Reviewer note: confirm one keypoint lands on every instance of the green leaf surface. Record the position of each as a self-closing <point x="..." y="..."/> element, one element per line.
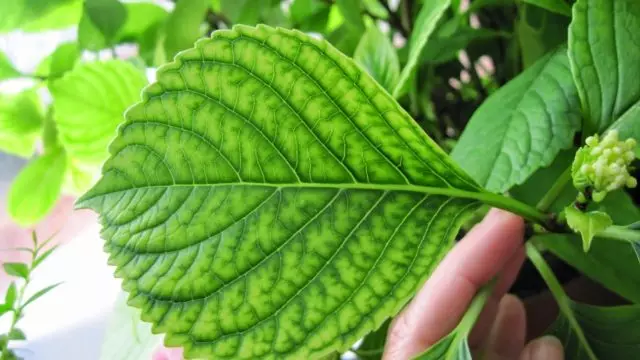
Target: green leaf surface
<point x="425" y="25"/>
<point x="184" y="26"/>
<point x="539" y="32"/>
<point x="127" y="337"/>
<point x="144" y="25"/>
<point x="16" y="269"/>
<point x="11" y="295"/>
<point x="378" y="56"/>
<point x="7" y="71"/>
<point x="352" y="12"/>
<point x="611" y="332"/>
<point x="20" y="122"/>
<point x="108" y="16"/>
<point x="310" y="15"/>
<point x="603" y="60"/>
<point x="627" y="125"/>
<point x="36" y="189"/>
<point x="63" y="59"/>
<point x="587" y="224"/>
<point x="89" y="104"/>
<point x="613" y="264"/>
<point x="269" y="198"/>
<point x="521" y="127"/>
<point x="556" y="6"/>
<point x="38" y="15"/>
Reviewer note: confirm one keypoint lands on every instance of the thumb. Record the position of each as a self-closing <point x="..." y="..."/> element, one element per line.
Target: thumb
<point x="544" y="348"/>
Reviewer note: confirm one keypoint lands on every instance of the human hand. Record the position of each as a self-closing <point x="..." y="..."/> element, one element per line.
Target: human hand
<point x="493" y="248"/>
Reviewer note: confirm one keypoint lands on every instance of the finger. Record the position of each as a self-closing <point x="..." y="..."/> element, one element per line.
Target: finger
<point x="508" y="275"/>
<point x="544" y="348"/>
<point x="439" y="305"/>
<point x="507" y="336"/>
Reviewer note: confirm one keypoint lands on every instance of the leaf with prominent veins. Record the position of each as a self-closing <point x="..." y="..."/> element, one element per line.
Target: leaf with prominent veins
<point x="267" y="199"/>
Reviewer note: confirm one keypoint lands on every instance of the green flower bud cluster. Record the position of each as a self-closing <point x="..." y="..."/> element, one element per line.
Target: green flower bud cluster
<point x="603" y="166"/>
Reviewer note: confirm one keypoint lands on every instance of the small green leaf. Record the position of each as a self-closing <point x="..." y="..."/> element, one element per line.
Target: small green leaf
<point x="587" y="224"/>
<point x="107" y="16"/>
<point x="39" y="294"/>
<point x="11" y="295"/>
<point x="184" y="26"/>
<point x="127" y="337"/>
<point x="144" y="26"/>
<point x="37" y="187"/>
<point x="556" y="6"/>
<point x="7" y="71"/>
<point x="5" y="308"/>
<point x="38" y="15"/>
<point x="603" y="62"/>
<point x="539" y="32"/>
<point x="379" y="58"/>
<point x="352" y="12"/>
<point x="428" y="17"/>
<point x="521" y="127"/>
<point x="20" y="122"/>
<point x="270" y="131"/>
<point x="16" y="269"/>
<point x="310" y="15"/>
<point x="89" y="103"/>
<point x="63" y="59"/>
<point x="611" y="332"/>
<point x="42" y="257"/>
<point x="17" y="334"/>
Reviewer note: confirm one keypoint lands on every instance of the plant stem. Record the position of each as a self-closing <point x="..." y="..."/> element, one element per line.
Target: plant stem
<point x="620" y="233"/>
<point x="473" y="312"/>
<point x="564" y="303"/>
<point x="556" y="189"/>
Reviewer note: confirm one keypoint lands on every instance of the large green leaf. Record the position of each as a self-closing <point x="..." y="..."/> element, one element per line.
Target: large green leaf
<point x="603" y="52"/>
<point x="184" y="25"/>
<point x="128" y="338"/>
<point x="613" y="264"/>
<point x="611" y="332"/>
<point x="269" y="199"/>
<point x="38" y="15"/>
<point x="428" y="17"/>
<point x="89" y="103"/>
<point x="523" y="126"/>
<point x="376" y="54"/>
<point x="36" y="189"/>
<point x="20" y="122"/>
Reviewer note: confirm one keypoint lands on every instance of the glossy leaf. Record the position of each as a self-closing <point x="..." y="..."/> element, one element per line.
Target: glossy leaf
<point x="556" y="6"/>
<point x="261" y="188"/>
<point x="89" y="104"/>
<point x="127" y="337"/>
<point x="522" y="126"/>
<point x="378" y="56"/>
<point x="7" y="71"/>
<point x="611" y="332"/>
<point x="184" y="26"/>
<point x="587" y="224"/>
<point x="20" y="122"/>
<point x="426" y="22"/>
<point x="612" y="264"/>
<point x="603" y="61"/>
<point x="36" y="189"/>
<point x="63" y="59"/>
<point x="16" y="269"/>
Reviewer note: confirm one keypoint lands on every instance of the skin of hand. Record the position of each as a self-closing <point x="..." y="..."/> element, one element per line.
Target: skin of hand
<point x="493" y="248"/>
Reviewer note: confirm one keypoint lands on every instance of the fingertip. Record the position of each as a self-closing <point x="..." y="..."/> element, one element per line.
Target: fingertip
<point x="544" y="348"/>
<point x="506" y="340"/>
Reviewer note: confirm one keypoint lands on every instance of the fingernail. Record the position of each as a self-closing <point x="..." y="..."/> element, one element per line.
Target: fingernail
<point x="544" y="348"/>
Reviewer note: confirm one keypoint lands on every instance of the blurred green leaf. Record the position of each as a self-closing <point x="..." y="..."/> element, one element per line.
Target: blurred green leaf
<point x="38" y="15"/>
<point x="376" y="9"/>
<point x="344" y="39"/>
<point x="5" y="308"/>
<point x="242" y="11"/>
<point x="17" y="334"/>
<point x="101" y="21"/>
<point x="310" y="15"/>
<point x="37" y="187"/>
<point x="378" y="57"/>
<point x="20" y="122"/>
<point x="481" y="4"/>
<point x="610" y="332"/>
<point x="143" y="26"/>
<point x="39" y="294"/>
<point x="42" y="257"/>
<point x="16" y="269"/>
<point x="89" y="103"/>
<point x="539" y="32"/>
<point x="63" y="59"/>
<point x="7" y="71"/>
<point x="372" y="345"/>
<point x="352" y="12"/>
<point x="184" y="25"/>
<point x="11" y="295"/>
<point x="428" y="17"/>
<point x="556" y="6"/>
